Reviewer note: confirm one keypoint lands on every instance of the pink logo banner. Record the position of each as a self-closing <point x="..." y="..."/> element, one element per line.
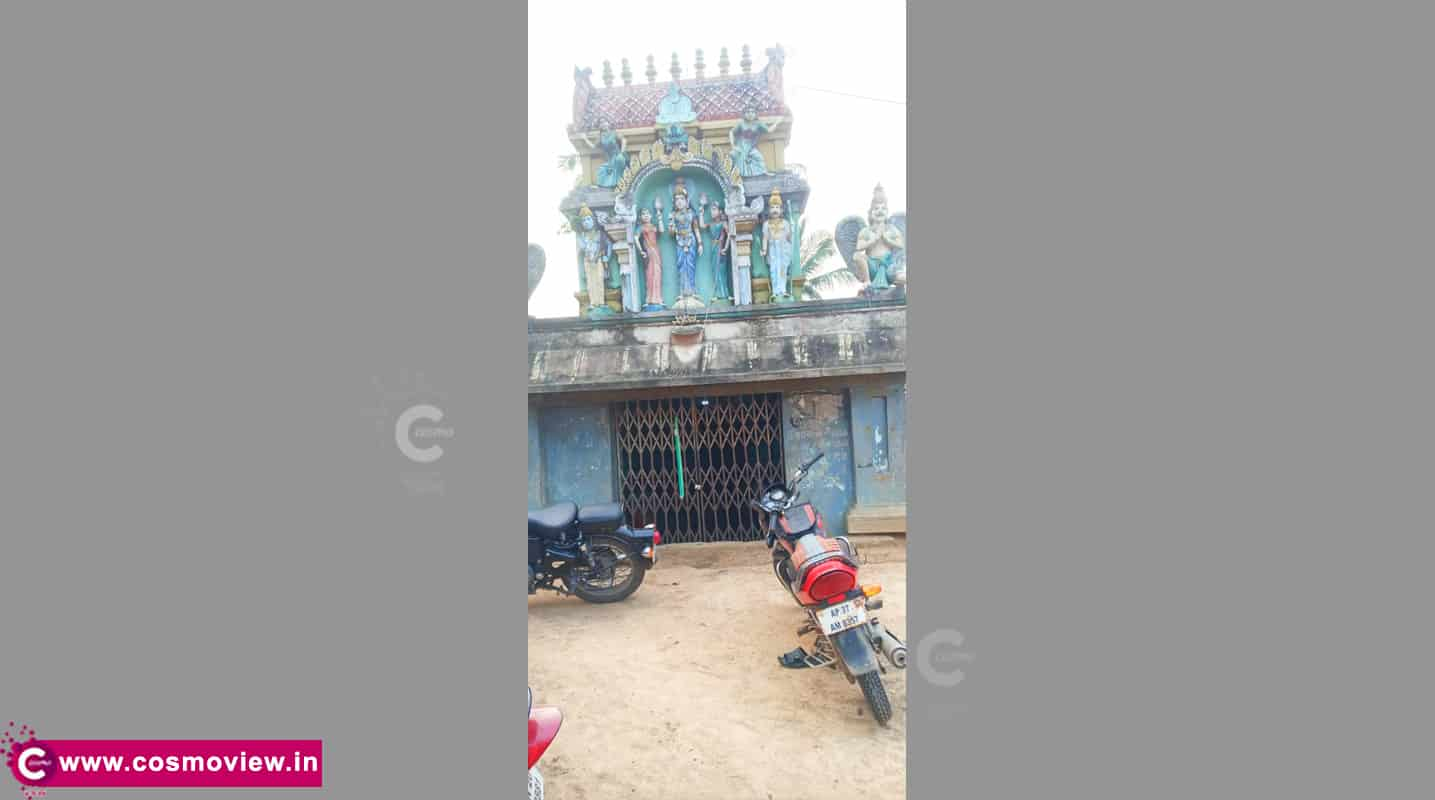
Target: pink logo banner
<point x="167" y="763"/>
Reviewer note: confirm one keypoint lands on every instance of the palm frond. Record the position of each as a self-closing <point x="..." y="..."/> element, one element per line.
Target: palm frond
<point x="817" y="247"/>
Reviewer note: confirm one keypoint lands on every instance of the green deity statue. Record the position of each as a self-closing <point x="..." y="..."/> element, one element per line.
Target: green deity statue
<point x="744" y="137"/>
<point x="615" y="148"/>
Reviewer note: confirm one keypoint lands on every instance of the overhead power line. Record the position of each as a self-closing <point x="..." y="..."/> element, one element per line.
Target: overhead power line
<point x="857" y="96"/>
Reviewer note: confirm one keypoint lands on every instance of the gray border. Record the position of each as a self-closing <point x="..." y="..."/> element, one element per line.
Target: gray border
<point x="1170" y="369"/>
<point x="230" y="231"/>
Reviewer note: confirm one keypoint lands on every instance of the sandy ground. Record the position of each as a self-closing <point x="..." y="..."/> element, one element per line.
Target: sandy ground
<point x="676" y="692"/>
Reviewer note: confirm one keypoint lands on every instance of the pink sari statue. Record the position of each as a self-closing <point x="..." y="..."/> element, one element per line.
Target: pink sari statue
<point x="653" y="257"/>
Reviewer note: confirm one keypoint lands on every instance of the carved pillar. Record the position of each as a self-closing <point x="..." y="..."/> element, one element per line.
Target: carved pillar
<point x="623" y="254"/>
<point x="743" y="224"/>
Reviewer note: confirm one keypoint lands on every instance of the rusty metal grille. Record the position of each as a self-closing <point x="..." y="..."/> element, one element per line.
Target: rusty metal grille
<point x="732" y="450"/>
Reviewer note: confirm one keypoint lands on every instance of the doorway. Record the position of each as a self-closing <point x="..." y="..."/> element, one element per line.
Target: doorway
<point x="731" y="450"/>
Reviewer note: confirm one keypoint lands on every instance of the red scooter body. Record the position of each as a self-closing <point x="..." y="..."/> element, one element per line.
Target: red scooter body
<point x="543" y="725"/>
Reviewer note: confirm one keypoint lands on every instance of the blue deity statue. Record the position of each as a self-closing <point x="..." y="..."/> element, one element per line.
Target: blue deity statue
<point x="615" y="148"/>
<point x="777" y="247"/>
<point x="718" y="230"/>
<point x="686" y="230"/>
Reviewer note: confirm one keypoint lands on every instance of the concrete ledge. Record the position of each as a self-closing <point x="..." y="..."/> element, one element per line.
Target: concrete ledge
<point x="815" y="340"/>
<point x="877" y="519"/>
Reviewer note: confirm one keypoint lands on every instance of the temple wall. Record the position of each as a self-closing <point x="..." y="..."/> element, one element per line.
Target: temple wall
<point x="576" y="448"/>
<point x="841" y="371"/>
<point x="573" y="439"/>
<point x="535" y="461"/>
<point x="816" y="421"/>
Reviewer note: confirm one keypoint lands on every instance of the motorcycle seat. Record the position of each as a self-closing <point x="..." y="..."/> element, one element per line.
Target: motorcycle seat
<point x="601" y="514"/>
<point x="553" y="520"/>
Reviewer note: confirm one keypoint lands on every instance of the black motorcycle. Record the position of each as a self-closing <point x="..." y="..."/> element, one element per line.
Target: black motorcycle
<point x="590" y="550"/>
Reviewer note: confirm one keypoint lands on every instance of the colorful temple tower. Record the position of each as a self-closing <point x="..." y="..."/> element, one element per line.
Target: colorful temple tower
<point x="685" y="182"/>
<point x="703" y="363"/>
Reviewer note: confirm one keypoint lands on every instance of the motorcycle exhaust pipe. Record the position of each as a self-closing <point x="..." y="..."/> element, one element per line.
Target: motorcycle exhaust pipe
<point x="891" y="647"/>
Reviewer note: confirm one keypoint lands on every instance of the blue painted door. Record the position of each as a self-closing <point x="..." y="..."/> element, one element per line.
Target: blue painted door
<point x="879" y="443"/>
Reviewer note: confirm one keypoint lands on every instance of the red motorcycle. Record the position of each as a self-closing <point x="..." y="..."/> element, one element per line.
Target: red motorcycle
<point x="543" y="725"/>
<point x="820" y="572"/>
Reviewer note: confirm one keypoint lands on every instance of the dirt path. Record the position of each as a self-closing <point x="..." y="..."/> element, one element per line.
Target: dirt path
<point x="676" y="692"/>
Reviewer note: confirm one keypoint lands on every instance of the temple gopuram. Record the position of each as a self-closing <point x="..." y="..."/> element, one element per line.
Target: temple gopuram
<point x="702" y="364"/>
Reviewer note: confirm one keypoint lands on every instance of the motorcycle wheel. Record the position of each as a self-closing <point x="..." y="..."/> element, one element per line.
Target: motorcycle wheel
<point x="876" y="695"/>
<point x="606" y="549"/>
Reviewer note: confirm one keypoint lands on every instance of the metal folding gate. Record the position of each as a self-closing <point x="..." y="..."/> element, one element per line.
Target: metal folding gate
<point x="731" y="450"/>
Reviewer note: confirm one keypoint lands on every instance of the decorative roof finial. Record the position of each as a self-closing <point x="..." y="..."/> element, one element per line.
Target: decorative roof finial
<point x="698" y="66"/>
<point x="652" y="72"/>
<point x="676" y="69"/>
<point x="746" y="62"/>
<point x="607" y="73"/>
<point x="627" y="74"/>
<point x="723" y="63"/>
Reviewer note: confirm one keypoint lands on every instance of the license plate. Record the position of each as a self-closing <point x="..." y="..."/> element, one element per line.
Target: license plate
<point x="838" y="618"/>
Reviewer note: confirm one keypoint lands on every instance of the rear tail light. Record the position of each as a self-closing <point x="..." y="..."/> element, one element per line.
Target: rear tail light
<point x="657" y="536"/>
<point x="831" y="584"/>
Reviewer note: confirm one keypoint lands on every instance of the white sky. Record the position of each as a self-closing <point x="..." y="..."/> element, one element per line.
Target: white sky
<point x="847" y="144"/>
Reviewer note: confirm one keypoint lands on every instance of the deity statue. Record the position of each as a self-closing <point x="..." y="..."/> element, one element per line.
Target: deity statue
<point x="718" y="230"/>
<point x="615" y="147"/>
<point x="743" y="138"/>
<point x="777" y="247"/>
<point x="878" y="255"/>
<point x="593" y="250"/>
<point x="687" y="237"/>
<point x="675" y="111"/>
<point x="647" y="241"/>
